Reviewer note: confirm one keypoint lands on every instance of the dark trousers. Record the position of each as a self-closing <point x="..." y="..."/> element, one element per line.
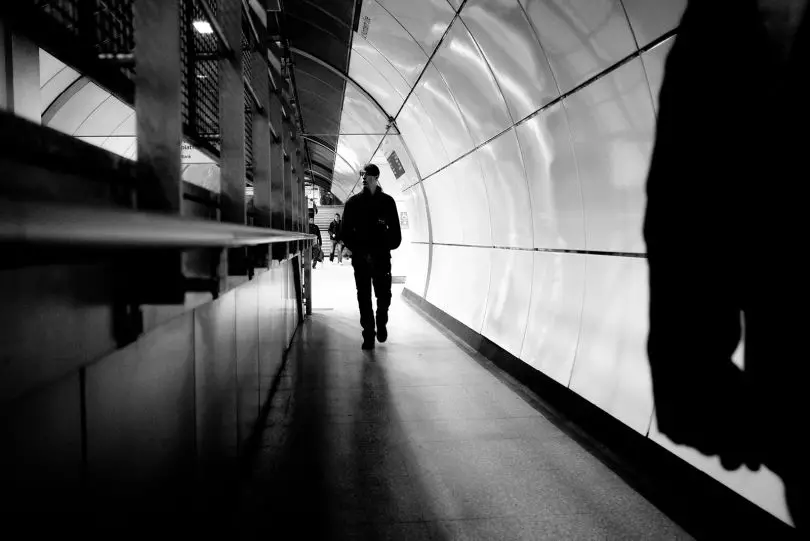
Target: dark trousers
<point x="376" y="271"/>
<point x="337" y="245"/>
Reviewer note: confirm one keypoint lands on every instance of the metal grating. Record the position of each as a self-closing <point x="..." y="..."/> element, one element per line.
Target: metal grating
<point x="203" y="90"/>
<point x="104" y="26"/>
<point x="65" y="12"/>
<point x="112" y="23"/>
<point x="247" y="71"/>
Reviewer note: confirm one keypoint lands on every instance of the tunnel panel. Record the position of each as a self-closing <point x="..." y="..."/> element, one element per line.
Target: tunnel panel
<point x="78" y="108"/>
<point x="613" y="124"/>
<point x="394" y="42"/>
<point x="654" y="61"/>
<point x="360" y="115"/>
<point x="49" y="67"/>
<point x="104" y="119"/>
<point x="507" y="191"/>
<point x="581" y="37"/>
<point x="471" y="204"/>
<point x="472" y="84"/>
<point x="509" y="298"/>
<point x="651" y="19"/>
<point x="417" y="214"/>
<point x="611" y="368"/>
<point x="422" y="137"/>
<point x="378" y="76"/>
<point x="425" y="20"/>
<point x="446" y="221"/>
<point x="463" y="295"/>
<point x="215" y="391"/>
<point x="271" y="315"/>
<point x="444" y="111"/>
<point x="247" y="358"/>
<point x="555" y="312"/>
<point x="52" y="88"/>
<point x="147" y="387"/>
<point x="418" y="258"/>
<point x="553" y="180"/>
<point x="512" y="50"/>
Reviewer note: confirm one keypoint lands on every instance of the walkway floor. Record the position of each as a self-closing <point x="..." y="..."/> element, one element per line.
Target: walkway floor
<point x="418" y="440"/>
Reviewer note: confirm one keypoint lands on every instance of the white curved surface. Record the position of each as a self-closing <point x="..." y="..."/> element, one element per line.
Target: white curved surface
<point x="569" y="176"/>
<point x="553" y="180"/>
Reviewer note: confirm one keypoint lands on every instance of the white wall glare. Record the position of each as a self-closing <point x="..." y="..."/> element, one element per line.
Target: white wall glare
<point x="203" y="27"/>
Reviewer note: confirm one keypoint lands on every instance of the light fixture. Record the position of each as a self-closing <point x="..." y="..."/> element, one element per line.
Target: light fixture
<point x="203" y="27"/>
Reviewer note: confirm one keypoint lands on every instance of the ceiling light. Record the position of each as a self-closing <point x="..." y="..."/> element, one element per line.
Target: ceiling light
<point x="203" y="27"/>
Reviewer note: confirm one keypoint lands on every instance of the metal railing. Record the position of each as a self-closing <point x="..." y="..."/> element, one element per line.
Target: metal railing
<point x="43" y="223"/>
<point x="97" y="37"/>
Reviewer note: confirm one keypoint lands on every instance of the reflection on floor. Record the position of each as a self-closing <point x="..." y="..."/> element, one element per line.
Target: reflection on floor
<point x="419" y="441"/>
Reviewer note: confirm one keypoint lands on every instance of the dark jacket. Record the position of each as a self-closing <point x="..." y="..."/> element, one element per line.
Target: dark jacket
<point x="724" y="226"/>
<point x="371" y="224"/>
<point x="334" y="230"/>
<point x="315" y="230"/>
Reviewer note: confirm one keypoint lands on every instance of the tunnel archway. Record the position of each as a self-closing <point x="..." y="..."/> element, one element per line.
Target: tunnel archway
<point x="524" y="129"/>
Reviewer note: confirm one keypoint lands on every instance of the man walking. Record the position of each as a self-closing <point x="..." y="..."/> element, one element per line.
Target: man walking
<point x="371" y="230"/>
<point x="334" y="234"/>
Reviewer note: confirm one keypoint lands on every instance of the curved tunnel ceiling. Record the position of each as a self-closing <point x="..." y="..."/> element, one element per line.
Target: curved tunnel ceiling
<point x="525" y="133"/>
<point x="72" y="104"/>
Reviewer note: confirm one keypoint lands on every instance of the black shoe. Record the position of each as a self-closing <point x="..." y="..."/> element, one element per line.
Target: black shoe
<point x="382" y="333"/>
<point x="368" y="343"/>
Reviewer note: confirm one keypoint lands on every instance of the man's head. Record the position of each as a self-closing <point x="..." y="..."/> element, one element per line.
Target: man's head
<point x="371" y="175"/>
<point x="337" y="216"/>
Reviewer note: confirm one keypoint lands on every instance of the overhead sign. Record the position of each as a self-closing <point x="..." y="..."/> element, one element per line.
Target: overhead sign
<point x="191" y="155"/>
<point x="366" y="23"/>
<point x="396" y="165"/>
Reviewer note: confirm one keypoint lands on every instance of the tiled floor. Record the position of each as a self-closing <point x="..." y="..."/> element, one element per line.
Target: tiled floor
<point x="418" y="441"/>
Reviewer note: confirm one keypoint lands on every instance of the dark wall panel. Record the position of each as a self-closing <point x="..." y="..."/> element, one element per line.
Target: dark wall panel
<point x="271" y="327"/>
<point x="42" y="448"/>
<point x="176" y="402"/>
<point x="67" y="322"/>
<point x="247" y="358"/>
<point x="215" y="380"/>
<point x="140" y="417"/>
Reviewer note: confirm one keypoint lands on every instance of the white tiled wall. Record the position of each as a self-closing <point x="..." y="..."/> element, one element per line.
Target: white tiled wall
<point x="514" y="172"/>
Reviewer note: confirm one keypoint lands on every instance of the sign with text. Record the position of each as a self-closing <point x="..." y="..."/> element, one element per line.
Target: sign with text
<point x="191" y="155"/>
<point x="403" y="220"/>
<point x="396" y="165"/>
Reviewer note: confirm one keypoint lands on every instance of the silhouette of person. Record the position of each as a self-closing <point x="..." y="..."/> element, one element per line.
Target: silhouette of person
<point x="371" y="230"/>
<point x="724" y="229"/>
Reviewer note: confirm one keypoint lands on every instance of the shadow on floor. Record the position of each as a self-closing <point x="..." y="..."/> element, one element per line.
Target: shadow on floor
<point x="334" y="463"/>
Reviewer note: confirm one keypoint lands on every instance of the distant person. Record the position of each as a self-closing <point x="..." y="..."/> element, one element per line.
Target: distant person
<point x="725" y="229"/>
<point x="317" y="251"/>
<point x="371" y="230"/>
<point x="334" y="234"/>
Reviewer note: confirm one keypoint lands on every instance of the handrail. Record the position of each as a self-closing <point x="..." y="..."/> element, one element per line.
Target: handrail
<point x="70" y="225"/>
